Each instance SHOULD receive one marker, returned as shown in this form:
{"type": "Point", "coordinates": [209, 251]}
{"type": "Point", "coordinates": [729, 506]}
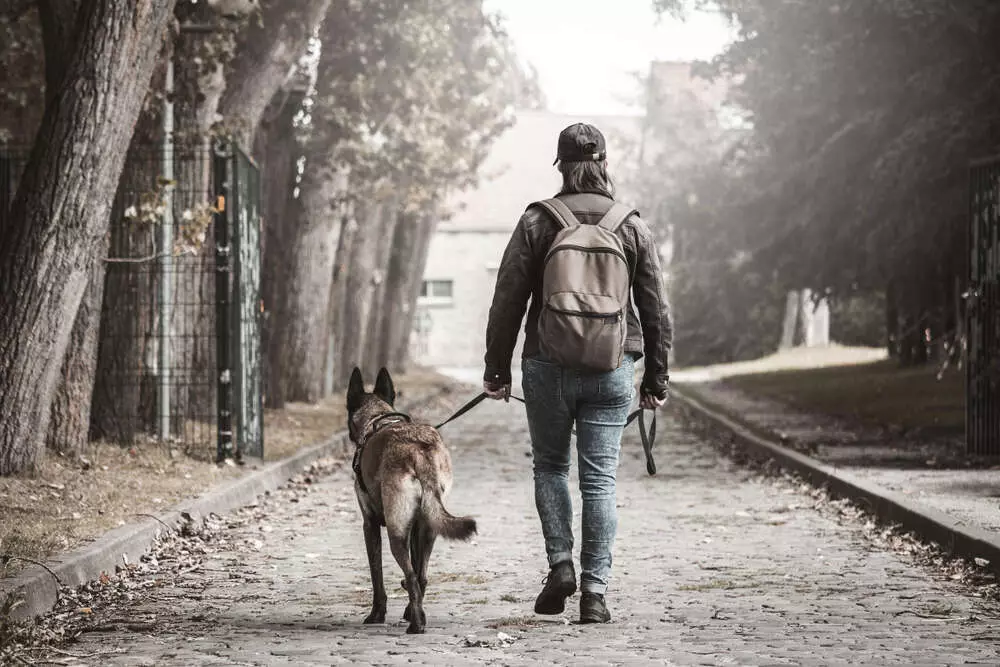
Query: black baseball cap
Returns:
{"type": "Point", "coordinates": [581, 143]}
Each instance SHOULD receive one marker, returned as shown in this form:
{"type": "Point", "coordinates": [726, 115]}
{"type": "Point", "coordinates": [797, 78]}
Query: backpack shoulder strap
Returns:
{"type": "Point", "coordinates": [559, 212]}
{"type": "Point", "coordinates": [616, 216]}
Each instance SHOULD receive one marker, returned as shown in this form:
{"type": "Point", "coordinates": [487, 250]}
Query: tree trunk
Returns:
{"type": "Point", "coordinates": [276, 152]}
{"type": "Point", "coordinates": [337, 368]}
{"type": "Point", "coordinates": [266, 51]}
{"type": "Point", "coordinates": [315, 229]}
{"type": "Point", "coordinates": [122, 402]}
{"type": "Point", "coordinates": [69, 425]}
{"type": "Point", "coordinates": [360, 288]}
{"type": "Point", "coordinates": [409, 290]}
{"type": "Point", "coordinates": [891, 322]}
{"type": "Point", "coordinates": [379, 315]}
{"type": "Point", "coordinates": [60, 213]}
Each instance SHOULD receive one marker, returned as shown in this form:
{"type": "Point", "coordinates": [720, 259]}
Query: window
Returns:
{"type": "Point", "coordinates": [436, 292]}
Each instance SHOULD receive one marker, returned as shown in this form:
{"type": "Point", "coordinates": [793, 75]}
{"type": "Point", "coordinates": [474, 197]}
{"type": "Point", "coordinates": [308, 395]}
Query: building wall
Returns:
{"type": "Point", "coordinates": [454, 334]}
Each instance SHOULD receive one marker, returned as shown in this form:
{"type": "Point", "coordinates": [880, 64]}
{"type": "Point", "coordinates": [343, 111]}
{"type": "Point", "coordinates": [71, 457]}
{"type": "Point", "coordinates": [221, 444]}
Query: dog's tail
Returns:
{"type": "Point", "coordinates": [441, 520]}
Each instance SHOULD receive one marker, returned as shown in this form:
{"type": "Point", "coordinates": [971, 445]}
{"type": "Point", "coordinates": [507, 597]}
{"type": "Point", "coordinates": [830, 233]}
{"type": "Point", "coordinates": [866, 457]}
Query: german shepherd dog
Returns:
{"type": "Point", "coordinates": [402, 473]}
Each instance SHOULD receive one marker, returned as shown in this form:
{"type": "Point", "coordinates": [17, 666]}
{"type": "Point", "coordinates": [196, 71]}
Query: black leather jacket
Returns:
{"type": "Point", "coordinates": [650, 331]}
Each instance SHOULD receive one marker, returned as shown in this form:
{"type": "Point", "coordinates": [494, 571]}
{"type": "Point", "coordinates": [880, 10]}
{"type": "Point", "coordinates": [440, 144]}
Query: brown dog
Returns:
{"type": "Point", "coordinates": [402, 473]}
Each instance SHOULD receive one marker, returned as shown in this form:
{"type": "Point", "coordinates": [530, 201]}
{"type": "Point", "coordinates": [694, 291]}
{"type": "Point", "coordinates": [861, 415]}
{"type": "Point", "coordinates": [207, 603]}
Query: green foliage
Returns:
{"type": "Point", "coordinates": [406, 99]}
{"type": "Point", "coordinates": [865, 115]}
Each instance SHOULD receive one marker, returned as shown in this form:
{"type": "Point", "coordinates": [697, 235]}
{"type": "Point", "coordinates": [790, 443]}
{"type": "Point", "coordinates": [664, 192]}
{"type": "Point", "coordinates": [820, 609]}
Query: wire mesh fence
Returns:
{"type": "Point", "coordinates": [983, 311]}
{"type": "Point", "coordinates": [158, 373]}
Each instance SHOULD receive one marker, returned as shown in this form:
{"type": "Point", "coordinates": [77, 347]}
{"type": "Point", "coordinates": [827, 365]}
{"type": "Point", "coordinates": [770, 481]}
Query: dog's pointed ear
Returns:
{"type": "Point", "coordinates": [384, 388]}
{"type": "Point", "coordinates": [355, 390]}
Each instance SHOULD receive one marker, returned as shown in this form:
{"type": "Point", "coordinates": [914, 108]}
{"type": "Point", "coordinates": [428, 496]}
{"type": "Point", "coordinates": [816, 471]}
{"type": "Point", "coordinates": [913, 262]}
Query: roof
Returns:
{"type": "Point", "coordinates": [519, 170]}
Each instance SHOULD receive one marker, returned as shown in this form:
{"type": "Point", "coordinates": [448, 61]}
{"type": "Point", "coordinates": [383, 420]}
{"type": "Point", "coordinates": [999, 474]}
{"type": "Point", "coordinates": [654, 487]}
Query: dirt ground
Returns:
{"type": "Point", "coordinates": [72, 501]}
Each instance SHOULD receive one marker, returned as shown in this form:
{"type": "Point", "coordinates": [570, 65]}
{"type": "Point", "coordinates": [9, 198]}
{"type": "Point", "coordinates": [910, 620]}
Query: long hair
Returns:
{"type": "Point", "coordinates": [586, 177]}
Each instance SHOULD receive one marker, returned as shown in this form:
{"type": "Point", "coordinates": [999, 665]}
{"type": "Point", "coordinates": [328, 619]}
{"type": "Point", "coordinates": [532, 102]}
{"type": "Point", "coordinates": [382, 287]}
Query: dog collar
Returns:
{"type": "Point", "coordinates": [383, 420]}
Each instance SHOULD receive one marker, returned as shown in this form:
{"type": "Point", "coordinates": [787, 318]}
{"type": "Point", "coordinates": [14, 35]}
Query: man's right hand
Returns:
{"type": "Point", "coordinates": [496, 391]}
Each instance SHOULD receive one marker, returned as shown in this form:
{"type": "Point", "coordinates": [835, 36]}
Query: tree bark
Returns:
{"type": "Point", "coordinates": [315, 236]}
{"type": "Point", "coordinates": [69, 424]}
{"type": "Point", "coordinates": [410, 290]}
{"type": "Point", "coordinates": [360, 288]}
{"type": "Point", "coordinates": [338, 301]}
{"type": "Point", "coordinates": [379, 314]}
{"type": "Point", "coordinates": [60, 213]}
{"type": "Point", "coordinates": [276, 154]}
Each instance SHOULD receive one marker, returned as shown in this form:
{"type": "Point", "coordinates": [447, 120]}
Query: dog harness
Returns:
{"type": "Point", "coordinates": [373, 427]}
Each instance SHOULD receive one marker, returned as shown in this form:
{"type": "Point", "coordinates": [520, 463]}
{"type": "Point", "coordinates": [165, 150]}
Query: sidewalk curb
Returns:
{"type": "Point", "coordinates": [35, 586]}
{"type": "Point", "coordinates": [37, 589]}
{"type": "Point", "coordinates": [952, 535]}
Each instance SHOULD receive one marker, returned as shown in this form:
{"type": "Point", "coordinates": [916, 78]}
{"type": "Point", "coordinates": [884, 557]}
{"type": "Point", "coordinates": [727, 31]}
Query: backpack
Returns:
{"type": "Point", "coordinates": [586, 282]}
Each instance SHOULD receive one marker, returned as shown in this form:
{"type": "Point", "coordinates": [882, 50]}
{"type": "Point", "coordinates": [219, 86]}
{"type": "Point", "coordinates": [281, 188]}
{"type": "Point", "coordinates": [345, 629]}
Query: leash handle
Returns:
{"type": "Point", "coordinates": [648, 436]}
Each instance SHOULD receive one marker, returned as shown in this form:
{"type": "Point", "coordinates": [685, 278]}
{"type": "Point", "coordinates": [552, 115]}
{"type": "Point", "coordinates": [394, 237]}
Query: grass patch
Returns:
{"type": "Point", "coordinates": [70, 501]}
{"type": "Point", "coordinates": [479, 601]}
{"type": "Point", "coordinates": [877, 394]}
{"type": "Point", "coordinates": [508, 597]}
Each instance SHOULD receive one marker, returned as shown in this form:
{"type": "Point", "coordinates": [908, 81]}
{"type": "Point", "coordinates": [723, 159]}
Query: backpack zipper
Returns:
{"type": "Point", "coordinates": [606, 251]}
{"type": "Point", "coordinates": [594, 316]}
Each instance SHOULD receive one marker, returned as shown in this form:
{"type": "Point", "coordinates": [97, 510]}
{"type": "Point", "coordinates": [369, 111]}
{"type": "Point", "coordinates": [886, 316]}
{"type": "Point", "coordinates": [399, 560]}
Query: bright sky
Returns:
{"type": "Point", "coordinates": [588, 52]}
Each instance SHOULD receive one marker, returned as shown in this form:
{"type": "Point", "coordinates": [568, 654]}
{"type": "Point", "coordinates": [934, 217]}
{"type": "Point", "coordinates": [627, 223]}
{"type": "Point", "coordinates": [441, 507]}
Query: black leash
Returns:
{"type": "Point", "coordinates": [471, 404]}
{"type": "Point", "coordinates": [648, 437]}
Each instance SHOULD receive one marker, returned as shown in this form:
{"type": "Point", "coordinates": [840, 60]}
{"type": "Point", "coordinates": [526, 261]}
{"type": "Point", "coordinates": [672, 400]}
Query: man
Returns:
{"type": "Point", "coordinates": [560, 394]}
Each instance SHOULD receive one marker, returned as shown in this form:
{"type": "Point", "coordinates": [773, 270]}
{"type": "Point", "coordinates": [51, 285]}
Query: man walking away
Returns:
{"type": "Point", "coordinates": [585, 260]}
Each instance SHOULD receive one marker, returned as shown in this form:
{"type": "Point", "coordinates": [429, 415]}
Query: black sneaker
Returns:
{"type": "Point", "coordinates": [559, 585]}
{"type": "Point", "coordinates": [593, 609]}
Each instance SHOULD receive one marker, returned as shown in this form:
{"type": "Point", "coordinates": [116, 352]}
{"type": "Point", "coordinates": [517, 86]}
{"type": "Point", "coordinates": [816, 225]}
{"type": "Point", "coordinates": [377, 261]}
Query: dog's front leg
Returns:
{"type": "Point", "coordinates": [373, 543]}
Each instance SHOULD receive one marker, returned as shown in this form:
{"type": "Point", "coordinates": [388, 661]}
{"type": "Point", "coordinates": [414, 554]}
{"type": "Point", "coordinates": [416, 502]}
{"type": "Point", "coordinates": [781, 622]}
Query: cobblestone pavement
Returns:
{"type": "Point", "coordinates": [714, 566]}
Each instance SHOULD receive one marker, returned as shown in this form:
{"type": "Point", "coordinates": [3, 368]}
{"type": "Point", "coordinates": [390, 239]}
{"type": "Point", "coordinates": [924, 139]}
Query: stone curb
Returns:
{"type": "Point", "coordinates": [952, 535]}
{"type": "Point", "coordinates": [38, 590]}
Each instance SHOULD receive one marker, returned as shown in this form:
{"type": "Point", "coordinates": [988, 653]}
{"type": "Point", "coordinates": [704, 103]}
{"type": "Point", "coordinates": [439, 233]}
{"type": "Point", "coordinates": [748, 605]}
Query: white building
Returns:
{"type": "Point", "coordinates": [466, 250]}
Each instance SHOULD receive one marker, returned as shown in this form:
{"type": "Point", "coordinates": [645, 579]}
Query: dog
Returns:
{"type": "Point", "coordinates": [402, 474]}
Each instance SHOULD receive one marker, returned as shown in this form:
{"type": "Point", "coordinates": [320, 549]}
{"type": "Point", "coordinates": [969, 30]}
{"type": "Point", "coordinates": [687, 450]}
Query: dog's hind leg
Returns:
{"type": "Point", "coordinates": [373, 543]}
{"type": "Point", "coordinates": [399, 543]}
{"type": "Point", "coordinates": [421, 544]}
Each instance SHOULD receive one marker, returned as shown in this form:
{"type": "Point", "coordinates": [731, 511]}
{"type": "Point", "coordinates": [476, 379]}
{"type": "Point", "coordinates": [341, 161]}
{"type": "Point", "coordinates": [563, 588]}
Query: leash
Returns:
{"type": "Point", "coordinates": [648, 436]}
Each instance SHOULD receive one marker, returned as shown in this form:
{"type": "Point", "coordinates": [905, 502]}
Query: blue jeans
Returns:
{"type": "Point", "coordinates": [558, 398]}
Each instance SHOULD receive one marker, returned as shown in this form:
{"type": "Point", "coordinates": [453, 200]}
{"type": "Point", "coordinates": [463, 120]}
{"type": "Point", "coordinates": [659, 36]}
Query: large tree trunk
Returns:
{"type": "Point", "coordinates": [60, 213]}
{"type": "Point", "coordinates": [276, 152]}
{"type": "Point", "coordinates": [266, 51]}
{"type": "Point", "coordinates": [409, 290]}
{"type": "Point", "coordinates": [69, 424]}
{"type": "Point", "coordinates": [360, 287]}
{"type": "Point", "coordinates": [379, 315]}
{"type": "Point", "coordinates": [314, 239]}
{"type": "Point", "coordinates": [406, 269]}
{"type": "Point", "coordinates": [338, 302]}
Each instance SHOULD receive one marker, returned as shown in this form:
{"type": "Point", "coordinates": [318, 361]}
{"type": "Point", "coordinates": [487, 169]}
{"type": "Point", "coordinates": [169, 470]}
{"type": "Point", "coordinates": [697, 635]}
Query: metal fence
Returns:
{"type": "Point", "coordinates": [179, 349]}
{"type": "Point", "coordinates": [983, 311]}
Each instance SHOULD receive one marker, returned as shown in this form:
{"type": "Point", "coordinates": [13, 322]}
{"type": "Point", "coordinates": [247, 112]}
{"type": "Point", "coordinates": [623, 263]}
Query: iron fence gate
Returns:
{"type": "Point", "coordinates": [237, 238]}
{"type": "Point", "coordinates": [179, 346]}
{"type": "Point", "coordinates": [983, 312]}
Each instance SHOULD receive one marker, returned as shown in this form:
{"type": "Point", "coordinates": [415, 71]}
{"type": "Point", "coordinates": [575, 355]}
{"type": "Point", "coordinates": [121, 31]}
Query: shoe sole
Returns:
{"type": "Point", "coordinates": [595, 619]}
{"type": "Point", "coordinates": [558, 606]}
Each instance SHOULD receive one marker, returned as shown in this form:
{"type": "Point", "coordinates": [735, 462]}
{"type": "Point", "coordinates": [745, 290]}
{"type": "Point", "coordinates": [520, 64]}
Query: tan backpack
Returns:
{"type": "Point", "coordinates": [585, 291]}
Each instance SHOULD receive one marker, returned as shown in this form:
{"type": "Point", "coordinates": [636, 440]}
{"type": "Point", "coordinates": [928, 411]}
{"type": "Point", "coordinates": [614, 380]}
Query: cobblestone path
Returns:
{"type": "Point", "coordinates": [713, 566]}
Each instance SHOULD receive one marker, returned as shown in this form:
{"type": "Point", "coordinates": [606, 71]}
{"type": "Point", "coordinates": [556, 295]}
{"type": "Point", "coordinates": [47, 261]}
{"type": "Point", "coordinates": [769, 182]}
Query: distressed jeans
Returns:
{"type": "Point", "coordinates": [557, 399]}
